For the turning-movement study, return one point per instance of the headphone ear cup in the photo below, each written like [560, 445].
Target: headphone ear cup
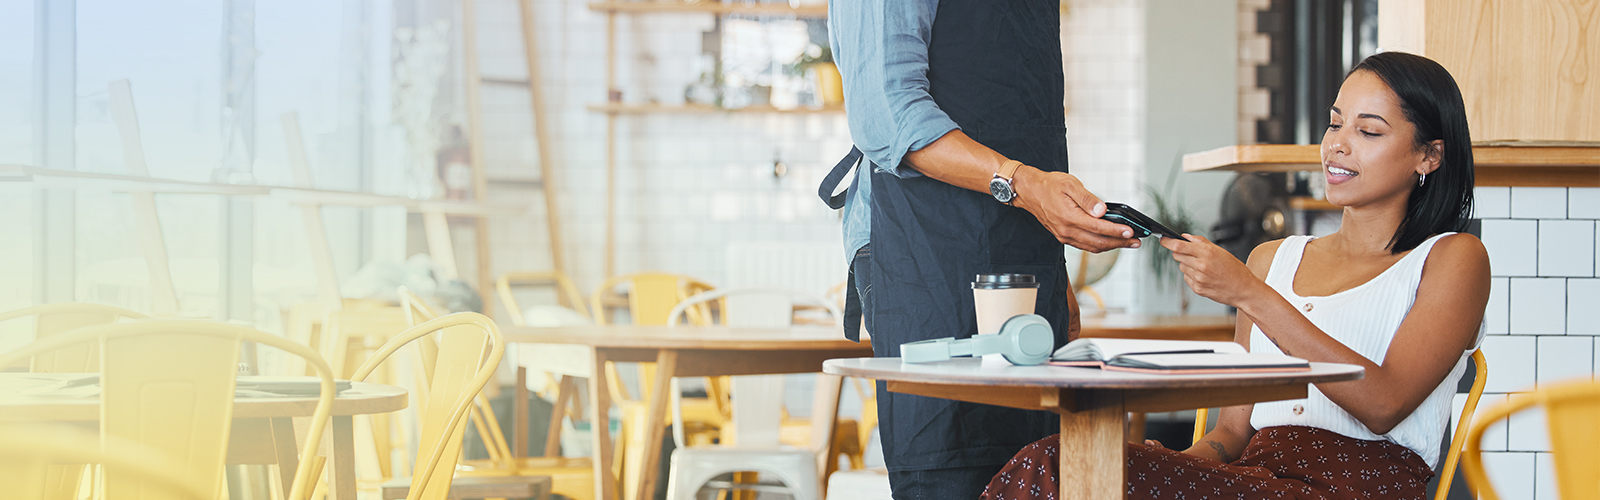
[1028, 339]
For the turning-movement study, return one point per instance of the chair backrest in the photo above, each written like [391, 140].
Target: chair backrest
[757, 399]
[169, 384]
[1451, 456]
[470, 347]
[567, 293]
[1571, 409]
[51, 319]
[27, 452]
[482, 413]
[651, 297]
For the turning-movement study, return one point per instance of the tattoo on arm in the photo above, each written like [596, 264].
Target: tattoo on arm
[1222, 452]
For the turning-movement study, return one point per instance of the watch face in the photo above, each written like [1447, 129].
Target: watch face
[1001, 190]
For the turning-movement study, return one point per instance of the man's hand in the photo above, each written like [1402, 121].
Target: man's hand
[1069, 211]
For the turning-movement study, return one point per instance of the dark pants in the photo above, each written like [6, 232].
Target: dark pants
[957, 483]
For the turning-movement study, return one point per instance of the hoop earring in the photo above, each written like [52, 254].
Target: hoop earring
[1422, 181]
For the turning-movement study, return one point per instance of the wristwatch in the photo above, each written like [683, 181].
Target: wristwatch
[1000, 185]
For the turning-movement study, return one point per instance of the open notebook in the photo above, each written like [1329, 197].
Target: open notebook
[1171, 356]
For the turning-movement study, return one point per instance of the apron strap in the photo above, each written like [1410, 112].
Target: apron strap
[835, 176]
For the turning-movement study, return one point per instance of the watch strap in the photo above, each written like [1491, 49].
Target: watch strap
[1008, 169]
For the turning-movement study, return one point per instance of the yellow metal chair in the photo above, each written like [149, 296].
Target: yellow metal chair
[562, 391]
[1451, 456]
[1571, 410]
[27, 452]
[469, 349]
[169, 384]
[573, 478]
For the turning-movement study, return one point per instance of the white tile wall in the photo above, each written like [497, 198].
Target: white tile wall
[1565, 358]
[1544, 478]
[1583, 203]
[1513, 246]
[1560, 247]
[1494, 438]
[1497, 314]
[1538, 202]
[1511, 362]
[1491, 202]
[1566, 248]
[1538, 306]
[1510, 473]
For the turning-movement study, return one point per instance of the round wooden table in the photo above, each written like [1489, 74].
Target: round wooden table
[688, 351]
[1091, 402]
[262, 430]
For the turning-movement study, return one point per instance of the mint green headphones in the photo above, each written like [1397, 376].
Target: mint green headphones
[1025, 339]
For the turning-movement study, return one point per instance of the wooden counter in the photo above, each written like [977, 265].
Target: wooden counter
[1498, 164]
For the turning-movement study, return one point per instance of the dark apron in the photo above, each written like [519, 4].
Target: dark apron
[995, 68]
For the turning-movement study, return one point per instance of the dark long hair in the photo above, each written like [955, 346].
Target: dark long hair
[1432, 102]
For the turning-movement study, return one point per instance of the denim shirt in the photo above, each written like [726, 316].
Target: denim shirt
[881, 48]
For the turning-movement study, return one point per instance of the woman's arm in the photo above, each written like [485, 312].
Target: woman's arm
[1227, 441]
[1450, 302]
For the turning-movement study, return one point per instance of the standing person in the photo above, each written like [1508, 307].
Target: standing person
[1398, 158]
[957, 106]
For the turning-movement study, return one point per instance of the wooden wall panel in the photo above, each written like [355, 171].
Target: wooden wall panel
[1528, 69]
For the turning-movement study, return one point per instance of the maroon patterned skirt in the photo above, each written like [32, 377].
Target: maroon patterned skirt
[1279, 462]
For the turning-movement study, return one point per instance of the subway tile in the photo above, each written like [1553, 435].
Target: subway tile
[1491, 202]
[1512, 246]
[1538, 306]
[1564, 358]
[1566, 248]
[1544, 477]
[1538, 202]
[1526, 430]
[1497, 314]
[1511, 362]
[1583, 311]
[1494, 437]
[1583, 203]
[1510, 473]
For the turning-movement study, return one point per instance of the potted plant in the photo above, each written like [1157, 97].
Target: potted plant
[830, 86]
[1169, 209]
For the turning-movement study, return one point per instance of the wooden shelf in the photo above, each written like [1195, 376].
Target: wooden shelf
[712, 7]
[1309, 203]
[124, 183]
[641, 109]
[1498, 164]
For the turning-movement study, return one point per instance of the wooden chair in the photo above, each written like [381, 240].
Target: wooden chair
[27, 452]
[563, 390]
[169, 384]
[649, 298]
[1451, 456]
[1571, 409]
[469, 349]
[573, 478]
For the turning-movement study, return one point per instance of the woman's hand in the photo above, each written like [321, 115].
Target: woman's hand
[1212, 272]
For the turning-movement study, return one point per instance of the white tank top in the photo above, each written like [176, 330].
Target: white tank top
[1365, 319]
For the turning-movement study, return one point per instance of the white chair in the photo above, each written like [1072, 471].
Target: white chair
[757, 407]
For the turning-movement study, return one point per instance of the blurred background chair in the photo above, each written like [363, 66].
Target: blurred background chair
[751, 443]
[27, 452]
[1571, 410]
[469, 349]
[169, 385]
[573, 478]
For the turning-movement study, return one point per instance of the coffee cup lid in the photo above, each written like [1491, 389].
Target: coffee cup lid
[1004, 280]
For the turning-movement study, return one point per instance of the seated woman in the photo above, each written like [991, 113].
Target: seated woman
[1394, 290]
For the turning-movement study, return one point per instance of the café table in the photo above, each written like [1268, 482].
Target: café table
[1091, 402]
[263, 423]
[690, 351]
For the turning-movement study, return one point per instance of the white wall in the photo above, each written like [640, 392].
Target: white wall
[1191, 105]
[1542, 319]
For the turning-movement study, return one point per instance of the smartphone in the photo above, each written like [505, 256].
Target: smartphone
[1142, 225]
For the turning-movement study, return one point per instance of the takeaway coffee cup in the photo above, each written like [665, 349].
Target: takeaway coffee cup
[998, 297]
